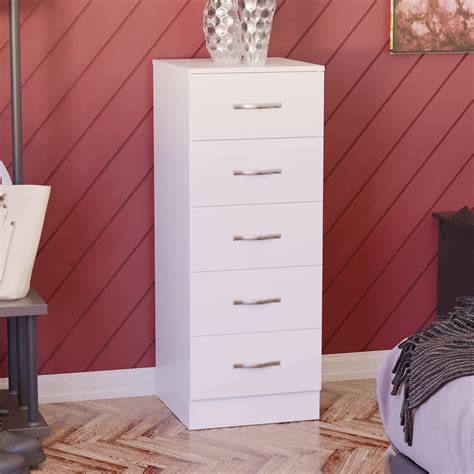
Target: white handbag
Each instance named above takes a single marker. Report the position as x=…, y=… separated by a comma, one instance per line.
x=22, y=211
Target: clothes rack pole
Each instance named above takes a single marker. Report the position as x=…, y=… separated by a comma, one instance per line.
x=16, y=336
x=15, y=73
x=22, y=415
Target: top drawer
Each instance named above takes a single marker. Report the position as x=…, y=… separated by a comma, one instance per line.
x=256, y=105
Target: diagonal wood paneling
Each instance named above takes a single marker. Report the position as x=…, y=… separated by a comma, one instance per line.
x=27, y=9
x=394, y=174
x=401, y=218
x=398, y=145
x=41, y=32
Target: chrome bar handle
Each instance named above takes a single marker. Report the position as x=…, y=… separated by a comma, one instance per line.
x=257, y=237
x=257, y=172
x=261, y=365
x=256, y=302
x=269, y=105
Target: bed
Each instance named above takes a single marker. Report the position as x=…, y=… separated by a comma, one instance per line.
x=443, y=439
x=397, y=463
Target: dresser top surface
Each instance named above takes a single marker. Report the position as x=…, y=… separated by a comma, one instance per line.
x=207, y=66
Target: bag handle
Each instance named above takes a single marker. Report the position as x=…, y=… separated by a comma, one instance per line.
x=4, y=174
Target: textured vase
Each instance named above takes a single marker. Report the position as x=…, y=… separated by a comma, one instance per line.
x=256, y=18
x=223, y=31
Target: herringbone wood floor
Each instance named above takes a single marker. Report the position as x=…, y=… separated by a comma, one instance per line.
x=140, y=435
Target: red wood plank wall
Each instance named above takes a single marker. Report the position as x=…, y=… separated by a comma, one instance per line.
x=398, y=146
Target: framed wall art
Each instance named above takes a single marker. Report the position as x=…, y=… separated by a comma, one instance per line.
x=432, y=26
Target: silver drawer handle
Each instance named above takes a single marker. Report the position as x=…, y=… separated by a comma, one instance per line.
x=270, y=105
x=257, y=237
x=262, y=365
x=256, y=302
x=256, y=172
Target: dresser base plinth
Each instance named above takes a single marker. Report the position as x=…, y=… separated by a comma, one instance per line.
x=257, y=410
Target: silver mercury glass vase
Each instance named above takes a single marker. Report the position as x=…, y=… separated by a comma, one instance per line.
x=223, y=31
x=256, y=19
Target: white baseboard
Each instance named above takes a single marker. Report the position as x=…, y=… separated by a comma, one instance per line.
x=141, y=382
x=95, y=385
x=352, y=365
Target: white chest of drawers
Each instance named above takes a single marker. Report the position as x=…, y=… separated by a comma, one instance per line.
x=238, y=224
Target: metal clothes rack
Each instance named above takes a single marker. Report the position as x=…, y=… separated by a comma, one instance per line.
x=21, y=399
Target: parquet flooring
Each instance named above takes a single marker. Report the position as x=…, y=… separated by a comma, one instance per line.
x=140, y=435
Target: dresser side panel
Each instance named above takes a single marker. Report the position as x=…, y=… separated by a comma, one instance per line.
x=171, y=172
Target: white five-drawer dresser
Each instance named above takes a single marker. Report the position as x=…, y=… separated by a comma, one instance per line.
x=238, y=223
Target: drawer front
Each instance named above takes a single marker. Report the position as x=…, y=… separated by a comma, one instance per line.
x=255, y=364
x=259, y=236
x=256, y=105
x=247, y=301
x=256, y=171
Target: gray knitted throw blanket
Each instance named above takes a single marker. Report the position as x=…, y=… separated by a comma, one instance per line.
x=433, y=357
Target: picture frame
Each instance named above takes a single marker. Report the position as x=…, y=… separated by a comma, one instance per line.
x=432, y=26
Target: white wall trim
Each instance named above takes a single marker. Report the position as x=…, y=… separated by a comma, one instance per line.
x=95, y=385
x=143, y=381
x=352, y=365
